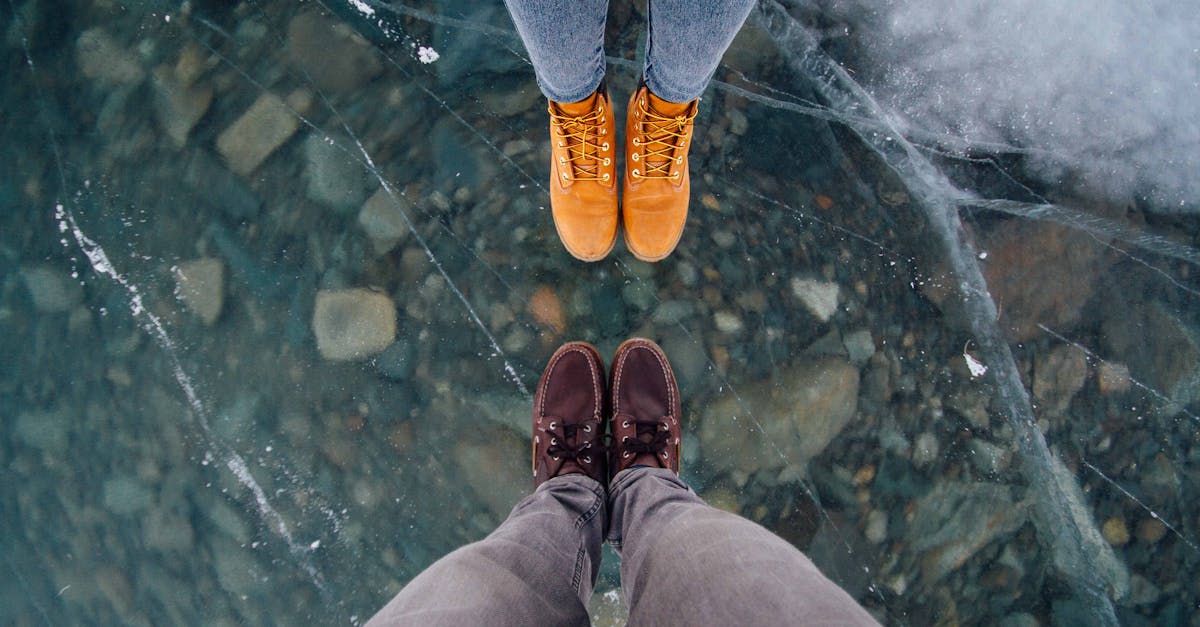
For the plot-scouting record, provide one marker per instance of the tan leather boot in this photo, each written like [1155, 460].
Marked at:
[655, 197]
[583, 176]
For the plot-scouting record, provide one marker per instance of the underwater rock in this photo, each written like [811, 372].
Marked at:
[488, 466]
[44, 430]
[1042, 273]
[1057, 376]
[860, 347]
[1161, 349]
[51, 289]
[353, 324]
[263, 128]
[126, 495]
[330, 52]
[798, 412]
[178, 106]
[200, 285]
[237, 570]
[334, 178]
[382, 221]
[955, 520]
[103, 60]
[819, 297]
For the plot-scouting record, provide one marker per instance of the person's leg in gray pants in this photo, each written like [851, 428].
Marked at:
[682, 563]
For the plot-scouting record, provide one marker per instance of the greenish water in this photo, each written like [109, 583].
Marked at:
[1012, 436]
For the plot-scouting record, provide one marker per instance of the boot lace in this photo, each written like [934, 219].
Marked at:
[650, 436]
[582, 136]
[662, 138]
[565, 441]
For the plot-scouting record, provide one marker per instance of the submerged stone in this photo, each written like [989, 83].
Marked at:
[200, 285]
[796, 414]
[51, 289]
[353, 324]
[263, 128]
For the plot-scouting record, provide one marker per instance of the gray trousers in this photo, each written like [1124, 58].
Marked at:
[682, 563]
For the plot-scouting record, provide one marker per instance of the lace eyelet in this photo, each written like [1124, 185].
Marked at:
[636, 174]
[604, 147]
[554, 457]
[675, 175]
[565, 176]
[624, 424]
[607, 161]
[553, 441]
[664, 454]
[553, 424]
[626, 455]
[624, 439]
[604, 131]
[587, 428]
[606, 177]
[587, 460]
[561, 145]
[562, 160]
[634, 156]
[678, 159]
[635, 142]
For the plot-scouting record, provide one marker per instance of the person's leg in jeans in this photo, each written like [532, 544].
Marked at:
[685, 44]
[565, 41]
[686, 563]
[540, 566]
[683, 562]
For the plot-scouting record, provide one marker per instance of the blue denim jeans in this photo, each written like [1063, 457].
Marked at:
[685, 42]
[682, 563]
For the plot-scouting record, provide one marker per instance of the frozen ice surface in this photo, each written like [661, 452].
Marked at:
[164, 467]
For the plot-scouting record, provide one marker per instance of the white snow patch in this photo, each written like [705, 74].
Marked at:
[362, 7]
[427, 55]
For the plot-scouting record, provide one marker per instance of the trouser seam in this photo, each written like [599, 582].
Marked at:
[587, 515]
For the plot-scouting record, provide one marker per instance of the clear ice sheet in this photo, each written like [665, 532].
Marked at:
[161, 469]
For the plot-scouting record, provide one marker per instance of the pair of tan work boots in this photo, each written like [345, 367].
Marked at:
[583, 179]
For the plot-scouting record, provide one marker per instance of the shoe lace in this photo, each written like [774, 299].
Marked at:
[565, 441]
[650, 436]
[582, 137]
[661, 137]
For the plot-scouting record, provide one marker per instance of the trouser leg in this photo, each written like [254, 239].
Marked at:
[537, 568]
[685, 563]
[565, 41]
[687, 40]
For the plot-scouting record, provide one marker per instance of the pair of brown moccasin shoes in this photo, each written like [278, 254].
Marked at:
[575, 405]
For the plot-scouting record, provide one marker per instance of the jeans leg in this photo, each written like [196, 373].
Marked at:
[686, 42]
[685, 563]
[537, 568]
[565, 41]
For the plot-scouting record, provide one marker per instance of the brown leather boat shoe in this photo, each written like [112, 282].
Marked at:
[644, 397]
[568, 415]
